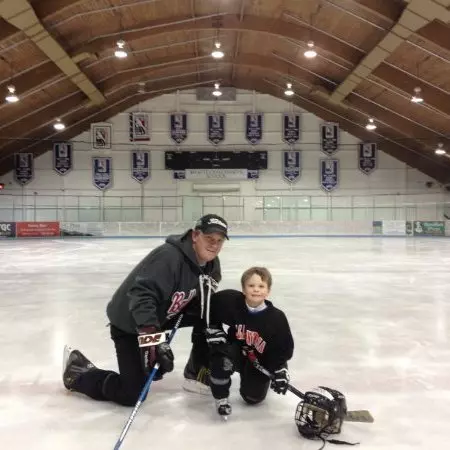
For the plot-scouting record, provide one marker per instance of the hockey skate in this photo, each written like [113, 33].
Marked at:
[223, 407]
[74, 364]
[196, 381]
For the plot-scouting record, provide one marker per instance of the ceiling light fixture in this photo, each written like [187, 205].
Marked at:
[310, 53]
[371, 125]
[440, 149]
[120, 50]
[11, 97]
[289, 92]
[417, 97]
[217, 53]
[217, 92]
[58, 125]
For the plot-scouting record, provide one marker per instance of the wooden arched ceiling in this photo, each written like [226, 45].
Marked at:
[371, 56]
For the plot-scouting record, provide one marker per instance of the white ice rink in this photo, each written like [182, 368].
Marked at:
[370, 317]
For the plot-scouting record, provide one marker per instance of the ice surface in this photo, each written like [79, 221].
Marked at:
[370, 317]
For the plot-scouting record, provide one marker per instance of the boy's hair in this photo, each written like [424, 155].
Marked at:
[261, 271]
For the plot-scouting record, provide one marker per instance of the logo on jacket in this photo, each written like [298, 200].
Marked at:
[179, 301]
[251, 338]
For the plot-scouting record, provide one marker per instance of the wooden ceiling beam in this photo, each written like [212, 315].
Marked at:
[127, 98]
[6, 29]
[435, 32]
[389, 10]
[34, 79]
[416, 15]
[388, 73]
[232, 22]
[47, 8]
[395, 77]
[282, 67]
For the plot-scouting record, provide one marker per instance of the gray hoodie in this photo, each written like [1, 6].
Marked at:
[162, 285]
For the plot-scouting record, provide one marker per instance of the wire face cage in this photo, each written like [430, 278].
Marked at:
[321, 412]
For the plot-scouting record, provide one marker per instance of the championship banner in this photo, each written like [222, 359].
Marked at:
[101, 134]
[215, 127]
[139, 126]
[102, 172]
[291, 128]
[140, 165]
[23, 168]
[329, 174]
[253, 127]
[62, 157]
[329, 137]
[367, 160]
[178, 127]
[291, 166]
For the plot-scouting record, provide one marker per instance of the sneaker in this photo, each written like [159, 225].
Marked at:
[223, 407]
[74, 364]
[197, 382]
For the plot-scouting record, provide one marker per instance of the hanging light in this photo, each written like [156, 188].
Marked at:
[417, 97]
[11, 97]
[310, 53]
[58, 125]
[440, 149]
[120, 50]
[289, 92]
[217, 92]
[371, 125]
[217, 53]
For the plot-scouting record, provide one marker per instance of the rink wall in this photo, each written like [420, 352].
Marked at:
[237, 229]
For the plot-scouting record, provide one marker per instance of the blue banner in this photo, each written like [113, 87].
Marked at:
[329, 174]
[367, 160]
[102, 172]
[7, 230]
[291, 166]
[140, 165]
[253, 127]
[291, 128]
[62, 157]
[216, 127]
[23, 168]
[178, 127]
[329, 137]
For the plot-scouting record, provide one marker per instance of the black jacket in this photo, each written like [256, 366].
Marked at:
[161, 286]
[267, 331]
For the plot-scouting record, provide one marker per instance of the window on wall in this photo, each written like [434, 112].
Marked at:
[287, 209]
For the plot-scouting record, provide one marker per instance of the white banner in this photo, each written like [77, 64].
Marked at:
[218, 174]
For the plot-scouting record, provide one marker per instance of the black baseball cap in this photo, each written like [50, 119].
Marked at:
[212, 223]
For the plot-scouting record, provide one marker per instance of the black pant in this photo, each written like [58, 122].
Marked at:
[254, 384]
[124, 387]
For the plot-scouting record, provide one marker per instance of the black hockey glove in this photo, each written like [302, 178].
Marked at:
[215, 336]
[154, 350]
[280, 381]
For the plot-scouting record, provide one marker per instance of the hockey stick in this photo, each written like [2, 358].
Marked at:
[360, 415]
[145, 390]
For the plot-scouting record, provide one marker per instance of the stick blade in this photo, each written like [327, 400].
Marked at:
[361, 415]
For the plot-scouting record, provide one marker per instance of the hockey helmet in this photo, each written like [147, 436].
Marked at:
[322, 411]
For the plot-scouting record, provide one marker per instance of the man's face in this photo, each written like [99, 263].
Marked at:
[207, 246]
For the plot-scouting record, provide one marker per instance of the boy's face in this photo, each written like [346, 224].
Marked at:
[255, 291]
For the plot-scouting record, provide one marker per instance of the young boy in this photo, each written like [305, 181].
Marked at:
[256, 330]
